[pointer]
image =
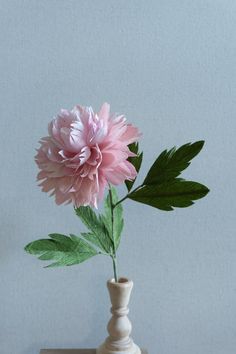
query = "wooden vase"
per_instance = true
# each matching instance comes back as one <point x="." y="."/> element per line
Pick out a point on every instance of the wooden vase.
<point x="119" y="327"/>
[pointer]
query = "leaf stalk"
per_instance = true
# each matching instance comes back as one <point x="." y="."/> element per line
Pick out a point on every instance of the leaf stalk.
<point x="126" y="196"/>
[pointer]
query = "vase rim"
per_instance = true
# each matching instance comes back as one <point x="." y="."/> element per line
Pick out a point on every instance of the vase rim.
<point x="122" y="282"/>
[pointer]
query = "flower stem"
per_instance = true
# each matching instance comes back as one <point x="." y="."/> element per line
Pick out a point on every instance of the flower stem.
<point x="114" y="259"/>
<point x="113" y="206"/>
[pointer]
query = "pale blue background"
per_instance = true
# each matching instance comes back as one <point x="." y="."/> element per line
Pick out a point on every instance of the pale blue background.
<point x="171" y="67"/>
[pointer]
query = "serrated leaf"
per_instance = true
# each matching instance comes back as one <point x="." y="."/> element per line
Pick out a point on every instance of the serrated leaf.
<point x="118" y="221"/>
<point x="89" y="236"/>
<point x="62" y="249"/>
<point x="136" y="162"/>
<point x="170" y="164"/>
<point x="97" y="228"/>
<point x="165" y="196"/>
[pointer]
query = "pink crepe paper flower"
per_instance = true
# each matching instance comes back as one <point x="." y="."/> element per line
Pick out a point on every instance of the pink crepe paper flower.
<point x="83" y="153"/>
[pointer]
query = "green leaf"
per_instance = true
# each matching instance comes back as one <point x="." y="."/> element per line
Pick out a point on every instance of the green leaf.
<point x="118" y="221"/>
<point x="90" y="237"/>
<point x="101" y="237"/>
<point x="171" y="163"/>
<point x="136" y="162"/>
<point x="175" y="193"/>
<point x="62" y="250"/>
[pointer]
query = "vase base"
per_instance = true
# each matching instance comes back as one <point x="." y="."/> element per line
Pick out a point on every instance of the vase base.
<point x="104" y="350"/>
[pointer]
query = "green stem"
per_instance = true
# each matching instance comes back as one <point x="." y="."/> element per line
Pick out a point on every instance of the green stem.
<point x="114" y="259"/>
<point x="113" y="206"/>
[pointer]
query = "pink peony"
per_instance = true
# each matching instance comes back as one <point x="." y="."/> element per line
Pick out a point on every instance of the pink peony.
<point x="83" y="153"/>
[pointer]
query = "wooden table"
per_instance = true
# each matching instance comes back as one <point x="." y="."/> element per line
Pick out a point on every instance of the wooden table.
<point x="74" y="351"/>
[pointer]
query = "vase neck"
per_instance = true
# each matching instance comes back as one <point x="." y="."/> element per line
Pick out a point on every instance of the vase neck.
<point x="119" y="292"/>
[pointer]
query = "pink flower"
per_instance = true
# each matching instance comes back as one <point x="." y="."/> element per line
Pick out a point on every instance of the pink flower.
<point x="83" y="153"/>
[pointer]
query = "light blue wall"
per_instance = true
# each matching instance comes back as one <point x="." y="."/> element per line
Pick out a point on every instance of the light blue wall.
<point x="171" y="67"/>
